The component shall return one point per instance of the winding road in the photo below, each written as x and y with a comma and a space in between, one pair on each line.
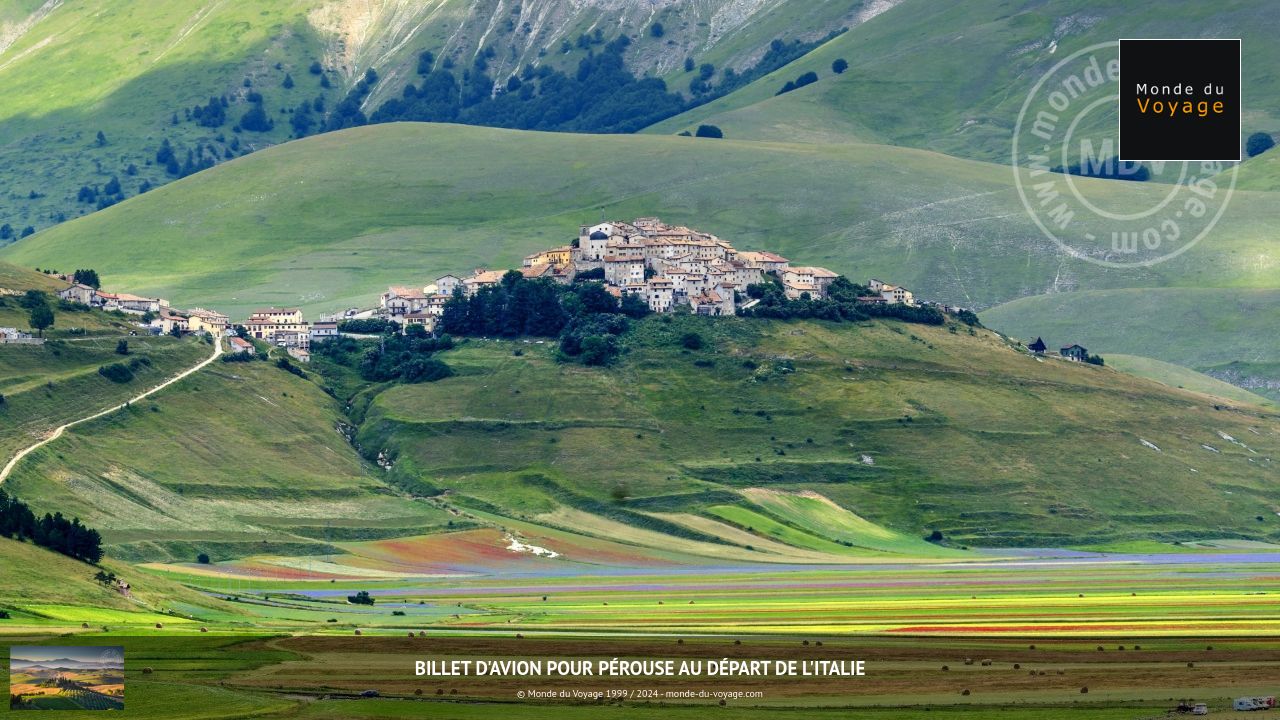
57, 432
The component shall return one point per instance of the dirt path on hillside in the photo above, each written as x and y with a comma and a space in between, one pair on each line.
57, 432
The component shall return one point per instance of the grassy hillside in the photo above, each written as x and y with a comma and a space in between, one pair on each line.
1195, 328
134, 70
951, 77
1180, 377
46, 385
240, 457
329, 221
910, 427
40, 585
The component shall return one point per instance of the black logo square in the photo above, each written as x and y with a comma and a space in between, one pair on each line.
1180, 100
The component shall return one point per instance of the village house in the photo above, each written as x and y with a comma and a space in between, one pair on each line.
397, 302
200, 320
1077, 353
79, 293
298, 353
170, 322
892, 293
132, 304
481, 279
447, 284
324, 331
1038, 347
14, 336
280, 326
239, 345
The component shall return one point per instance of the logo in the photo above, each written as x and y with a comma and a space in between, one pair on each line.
1095, 206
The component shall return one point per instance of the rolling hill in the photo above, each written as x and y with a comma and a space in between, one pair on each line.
828, 441
329, 221
70, 69
952, 77
46, 385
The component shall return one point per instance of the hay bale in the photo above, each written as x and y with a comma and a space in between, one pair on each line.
417, 691
968, 661
204, 629
84, 625
1084, 690
805, 643
1100, 649
965, 691
1017, 666
1191, 664
147, 671
1031, 647
680, 641
986, 663
519, 636
358, 632
737, 642
1120, 647
410, 633
159, 626
945, 668
1137, 647
422, 633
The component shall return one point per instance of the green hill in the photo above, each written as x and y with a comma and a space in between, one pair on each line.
329, 221
238, 458
1178, 376
910, 427
1197, 328
135, 71
791, 440
46, 385
952, 77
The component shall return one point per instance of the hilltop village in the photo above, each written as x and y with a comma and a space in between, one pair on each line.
671, 268
668, 266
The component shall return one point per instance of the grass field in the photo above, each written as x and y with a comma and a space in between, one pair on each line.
971, 65
234, 459
1178, 376
909, 427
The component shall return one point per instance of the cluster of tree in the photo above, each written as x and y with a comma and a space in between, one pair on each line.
40, 312
211, 115
808, 78
584, 316
779, 53
7, 232
360, 598
840, 305
1094, 360
196, 160
1259, 143
255, 119
601, 96
105, 577
87, 277
54, 532
347, 113
123, 372
406, 358
1111, 169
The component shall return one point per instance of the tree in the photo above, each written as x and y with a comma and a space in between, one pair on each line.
709, 131
87, 277
656, 30
360, 598
633, 305
6, 232
839, 66
28, 231
1258, 143
203, 558
122, 347
691, 341
315, 68
688, 64
41, 318
102, 139
288, 82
